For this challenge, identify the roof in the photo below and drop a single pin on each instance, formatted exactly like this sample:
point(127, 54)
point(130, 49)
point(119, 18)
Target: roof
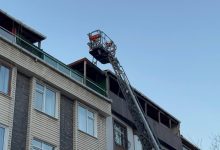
point(89, 63)
point(188, 143)
point(92, 66)
point(34, 36)
point(148, 99)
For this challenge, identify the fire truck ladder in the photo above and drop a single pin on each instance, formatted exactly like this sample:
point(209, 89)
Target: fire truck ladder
point(103, 49)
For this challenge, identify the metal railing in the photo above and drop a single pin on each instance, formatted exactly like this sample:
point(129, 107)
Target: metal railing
point(50, 60)
point(95, 87)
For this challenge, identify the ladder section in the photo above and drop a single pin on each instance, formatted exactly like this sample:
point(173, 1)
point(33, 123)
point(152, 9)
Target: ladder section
point(103, 49)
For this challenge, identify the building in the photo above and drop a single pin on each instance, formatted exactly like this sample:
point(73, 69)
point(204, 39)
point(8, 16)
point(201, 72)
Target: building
point(122, 134)
point(48, 105)
point(44, 104)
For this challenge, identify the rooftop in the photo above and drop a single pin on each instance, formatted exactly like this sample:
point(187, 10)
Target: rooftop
point(23, 36)
point(10, 23)
point(149, 100)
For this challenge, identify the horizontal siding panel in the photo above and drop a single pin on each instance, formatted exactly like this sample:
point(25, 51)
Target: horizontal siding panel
point(5, 110)
point(40, 125)
point(48, 74)
point(87, 142)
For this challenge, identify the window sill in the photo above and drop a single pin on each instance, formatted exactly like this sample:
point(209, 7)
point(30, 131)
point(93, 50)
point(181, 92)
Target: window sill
point(5, 95)
point(43, 113)
point(95, 137)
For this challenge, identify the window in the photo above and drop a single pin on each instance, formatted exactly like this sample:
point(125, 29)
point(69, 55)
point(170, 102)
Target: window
point(4, 79)
point(120, 135)
point(45, 100)
point(39, 145)
point(86, 121)
point(3, 135)
point(137, 143)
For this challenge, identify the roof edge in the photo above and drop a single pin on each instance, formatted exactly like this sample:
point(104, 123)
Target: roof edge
point(24, 25)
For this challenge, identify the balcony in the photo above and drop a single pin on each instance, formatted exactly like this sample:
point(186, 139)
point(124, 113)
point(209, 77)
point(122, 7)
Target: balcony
point(164, 134)
point(50, 60)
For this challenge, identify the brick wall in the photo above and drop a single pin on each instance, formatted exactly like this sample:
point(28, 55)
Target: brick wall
point(20, 121)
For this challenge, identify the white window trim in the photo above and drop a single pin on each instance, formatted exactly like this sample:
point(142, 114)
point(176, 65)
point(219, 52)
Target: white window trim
point(5, 146)
point(45, 86)
point(43, 142)
point(9, 79)
point(137, 142)
point(121, 124)
point(95, 119)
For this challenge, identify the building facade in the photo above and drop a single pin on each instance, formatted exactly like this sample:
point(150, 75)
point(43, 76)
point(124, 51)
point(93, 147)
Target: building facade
point(44, 104)
point(48, 105)
point(121, 133)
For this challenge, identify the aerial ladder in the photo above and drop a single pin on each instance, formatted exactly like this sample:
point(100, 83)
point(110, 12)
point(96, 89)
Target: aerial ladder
point(103, 49)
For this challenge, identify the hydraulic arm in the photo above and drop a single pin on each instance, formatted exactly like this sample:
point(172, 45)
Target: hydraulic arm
point(104, 49)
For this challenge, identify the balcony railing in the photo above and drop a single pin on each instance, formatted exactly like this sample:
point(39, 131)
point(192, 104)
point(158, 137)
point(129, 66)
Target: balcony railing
point(95, 87)
point(50, 60)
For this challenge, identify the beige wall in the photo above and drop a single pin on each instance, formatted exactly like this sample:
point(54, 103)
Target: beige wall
point(48, 129)
point(88, 142)
point(7, 106)
point(56, 79)
point(40, 125)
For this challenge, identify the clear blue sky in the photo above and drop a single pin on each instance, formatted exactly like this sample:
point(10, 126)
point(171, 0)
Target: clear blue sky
point(169, 49)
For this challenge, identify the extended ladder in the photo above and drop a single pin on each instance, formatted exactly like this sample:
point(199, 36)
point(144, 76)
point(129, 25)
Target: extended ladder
point(103, 49)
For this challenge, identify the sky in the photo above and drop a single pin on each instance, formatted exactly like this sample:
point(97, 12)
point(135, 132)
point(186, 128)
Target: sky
point(169, 49)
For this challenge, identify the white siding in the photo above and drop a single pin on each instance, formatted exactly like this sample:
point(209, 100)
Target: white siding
point(7, 107)
point(55, 78)
point(42, 126)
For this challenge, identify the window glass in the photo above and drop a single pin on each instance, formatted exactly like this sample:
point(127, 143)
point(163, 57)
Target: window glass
point(82, 119)
point(47, 147)
point(39, 101)
point(50, 102)
point(4, 79)
point(137, 143)
point(90, 127)
point(50, 61)
point(2, 135)
point(45, 100)
point(36, 144)
point(40, 87)
point(40, 145)
point(86, 121)
point(120, 135)
point(90, 114)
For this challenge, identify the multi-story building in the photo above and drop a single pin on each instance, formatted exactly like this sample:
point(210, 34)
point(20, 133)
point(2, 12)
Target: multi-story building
point(122, 134)
point(44, 104)
point(47, 105)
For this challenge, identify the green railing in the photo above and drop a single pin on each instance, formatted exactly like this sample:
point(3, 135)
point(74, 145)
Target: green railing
point(50, 60)
point(31, 48)
point(95, 87)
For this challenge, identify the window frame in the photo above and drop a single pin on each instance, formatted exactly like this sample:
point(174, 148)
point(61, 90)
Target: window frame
point(45, 88)
point(9, 67)
point(42, 142)
point(87, 109)
point(137, 142)
point(124, 144)
point(5, 146)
